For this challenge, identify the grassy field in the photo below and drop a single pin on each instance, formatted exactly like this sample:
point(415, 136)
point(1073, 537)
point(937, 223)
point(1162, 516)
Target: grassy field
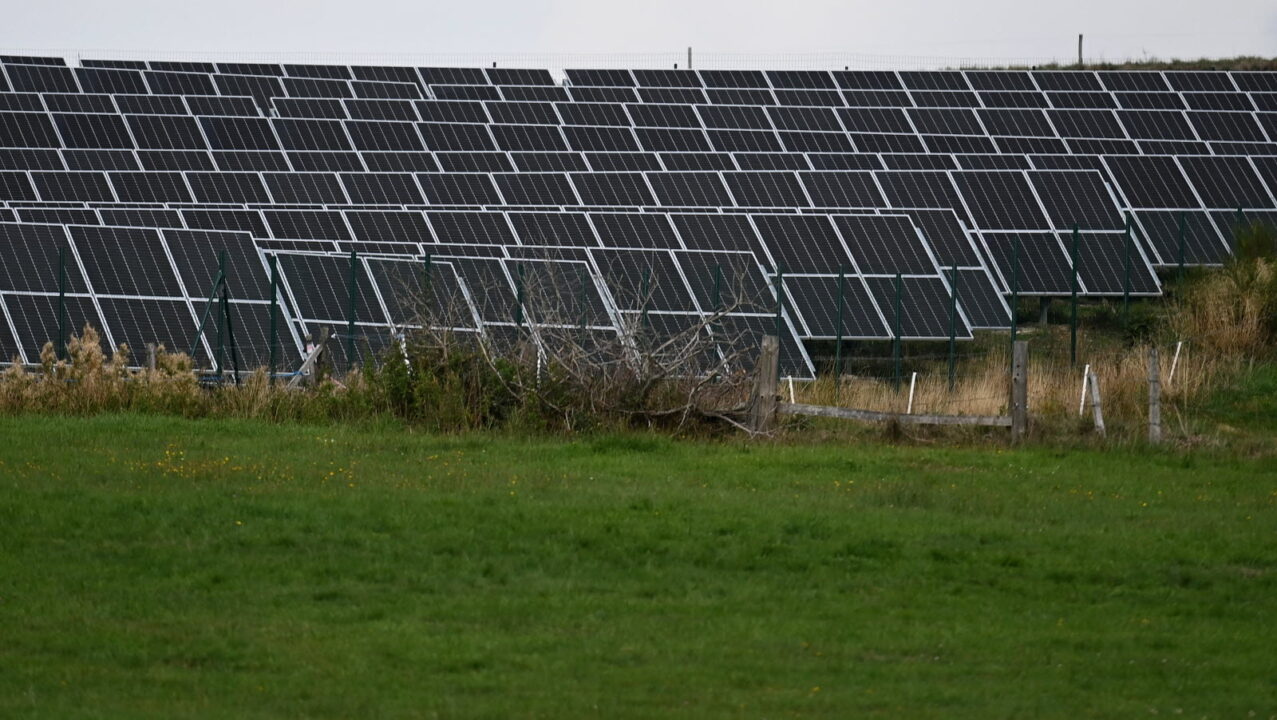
point(153, 567)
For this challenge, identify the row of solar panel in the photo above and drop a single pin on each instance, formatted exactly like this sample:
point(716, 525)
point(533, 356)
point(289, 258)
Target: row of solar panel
point(937, 89)
point(1207, 235)
point(873, 79)
point(135, 263)
point(800, 244)
point(994, 199)
point(316, 286)
point(593, 126)
point(784, 115)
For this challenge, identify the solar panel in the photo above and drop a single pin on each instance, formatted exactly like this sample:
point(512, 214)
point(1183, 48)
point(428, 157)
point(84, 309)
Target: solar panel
point(612, 189)
point(35, 322)
point(1226, 182)
point(801, 243)
point(688, 189)
point(884, 245)
point(1165, 142)
point(553, 229)
point(1076, 198)
point(924, 307)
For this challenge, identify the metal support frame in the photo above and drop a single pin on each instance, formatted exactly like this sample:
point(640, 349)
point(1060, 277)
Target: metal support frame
point(62, 304)
point(953, 327)
point(1183, 230)
point(352, 290)
point(780, 309)
point(842, 301)
point(274, 315)
point(1126, 272)
point(1073, 298)
point(895, 337)
point(1015, 285)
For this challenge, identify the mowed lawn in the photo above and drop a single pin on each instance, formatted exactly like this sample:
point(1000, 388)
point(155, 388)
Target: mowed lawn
point(164, 568)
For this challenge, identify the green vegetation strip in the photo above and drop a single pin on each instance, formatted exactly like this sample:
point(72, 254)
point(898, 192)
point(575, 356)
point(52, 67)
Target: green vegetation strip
point(153, 567)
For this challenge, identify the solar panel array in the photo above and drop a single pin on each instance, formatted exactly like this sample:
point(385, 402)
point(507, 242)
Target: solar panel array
point(638, 201)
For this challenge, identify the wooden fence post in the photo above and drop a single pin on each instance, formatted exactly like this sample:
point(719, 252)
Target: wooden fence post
point(150, 356)
point(1019, 390)
point(1154, 398)
point(1096, 409)
point(763, 404)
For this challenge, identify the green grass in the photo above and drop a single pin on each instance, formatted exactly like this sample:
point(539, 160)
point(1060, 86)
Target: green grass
point(153, 567)
point(1249, 405)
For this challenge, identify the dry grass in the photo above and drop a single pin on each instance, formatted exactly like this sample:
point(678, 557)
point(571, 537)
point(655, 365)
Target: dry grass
point(982, 386)
point(1224, 320)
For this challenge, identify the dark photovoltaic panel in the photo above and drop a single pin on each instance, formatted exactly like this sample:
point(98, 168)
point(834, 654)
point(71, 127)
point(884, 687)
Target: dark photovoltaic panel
point(953, 148)
point(411, 300)
point(126, 261)
point(690, 189)
point(1076, 198)
point(842, 189)
point(320, 287)
point(1102, 261)
point(1152, 182)
point(36, 322)
point(1201, 244)
point(802, 243)
point(471, 228)
point(979, 299)
point(817, 300)
point(31, 254)
point(389, 226)
point(198, 254)
point(1043, 266)
point(553, 229)
point(613, 189)
point(758, 189)
point(924, 307)
point(643, 280)
point(1226, 182)
point(726, 282)
point(634, 230)
point(1000, 200)
point(885, 245)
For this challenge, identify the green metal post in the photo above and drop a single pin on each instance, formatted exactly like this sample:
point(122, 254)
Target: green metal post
point(62, 304)
point(230, 332)
point(1183, 230)
point(208, 309)
point(644, 290)
point(1238, 224)
point(780, 310)
point(219, 357)
point(583, 278)
point(426, 287)
point(718, 288)
point(1126, 272)
point(1015, 286)
point(352, 288)
point(518, 295)
point(274, 316)
point(842, 300)
point(1073, 298)
point(953, 326)
point(895, 336)
point(221, 325)
point(780, 298)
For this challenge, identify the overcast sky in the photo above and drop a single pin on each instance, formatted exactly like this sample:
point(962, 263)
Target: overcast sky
point(972, 28)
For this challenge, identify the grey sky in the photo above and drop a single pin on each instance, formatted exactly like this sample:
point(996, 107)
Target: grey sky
point(975, 28)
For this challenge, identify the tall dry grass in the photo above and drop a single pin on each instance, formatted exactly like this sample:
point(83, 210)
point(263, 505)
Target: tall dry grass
point(1222, 322)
